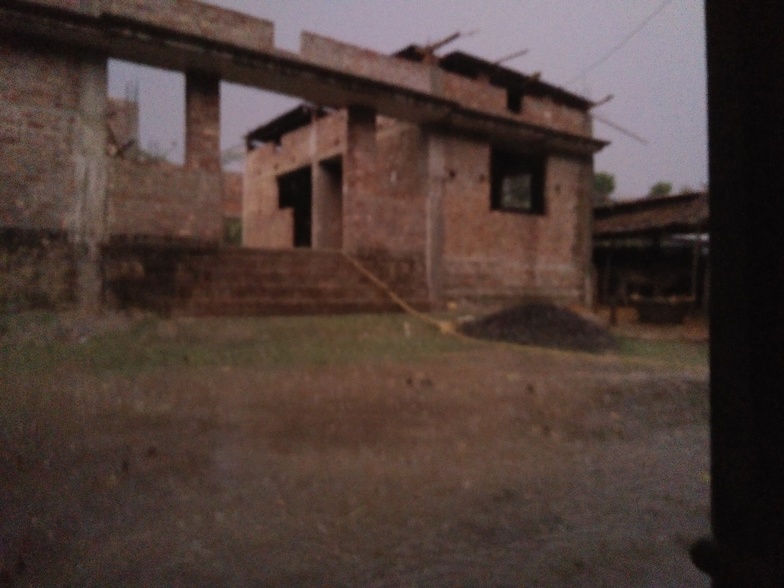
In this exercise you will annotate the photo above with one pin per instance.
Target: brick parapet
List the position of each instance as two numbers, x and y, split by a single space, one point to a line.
182 16
365 62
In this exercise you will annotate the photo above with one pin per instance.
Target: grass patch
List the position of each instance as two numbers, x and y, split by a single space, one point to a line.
43 341
680 353
40 341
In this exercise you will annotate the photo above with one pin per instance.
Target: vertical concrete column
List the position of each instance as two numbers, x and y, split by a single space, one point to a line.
359 179
88 220
434 217
746 122
202 122
583 246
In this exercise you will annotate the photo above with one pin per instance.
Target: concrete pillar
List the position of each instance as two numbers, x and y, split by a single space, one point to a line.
327 201
88 221
359 179
746 122
202 122
434 217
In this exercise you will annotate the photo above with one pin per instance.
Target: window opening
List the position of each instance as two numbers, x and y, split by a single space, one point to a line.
517 182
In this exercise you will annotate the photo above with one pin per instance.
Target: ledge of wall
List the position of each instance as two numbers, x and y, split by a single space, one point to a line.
183 16
364 62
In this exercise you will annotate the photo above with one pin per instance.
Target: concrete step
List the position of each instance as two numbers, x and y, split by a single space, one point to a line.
227 282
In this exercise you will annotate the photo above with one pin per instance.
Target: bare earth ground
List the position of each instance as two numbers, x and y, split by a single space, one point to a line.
360 451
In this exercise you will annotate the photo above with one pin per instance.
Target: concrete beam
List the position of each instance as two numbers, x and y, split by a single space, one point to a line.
167 43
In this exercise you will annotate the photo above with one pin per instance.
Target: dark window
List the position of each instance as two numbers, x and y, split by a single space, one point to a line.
514 100
517 182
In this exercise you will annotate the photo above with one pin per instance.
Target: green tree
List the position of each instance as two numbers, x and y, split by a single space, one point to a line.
660 189
603 186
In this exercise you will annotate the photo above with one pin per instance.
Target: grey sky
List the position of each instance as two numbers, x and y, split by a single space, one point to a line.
658 77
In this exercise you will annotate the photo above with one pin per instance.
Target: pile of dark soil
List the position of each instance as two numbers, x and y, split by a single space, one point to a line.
545 325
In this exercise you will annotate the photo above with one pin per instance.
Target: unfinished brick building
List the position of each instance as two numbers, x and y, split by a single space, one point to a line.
487 217
449 179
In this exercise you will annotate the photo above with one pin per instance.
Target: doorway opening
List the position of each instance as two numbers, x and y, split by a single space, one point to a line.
295 191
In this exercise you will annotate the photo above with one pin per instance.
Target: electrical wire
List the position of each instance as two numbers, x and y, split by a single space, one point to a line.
620 44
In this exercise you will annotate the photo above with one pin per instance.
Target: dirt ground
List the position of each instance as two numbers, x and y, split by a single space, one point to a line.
482 465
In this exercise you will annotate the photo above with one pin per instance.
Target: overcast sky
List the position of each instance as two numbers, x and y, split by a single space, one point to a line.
657 76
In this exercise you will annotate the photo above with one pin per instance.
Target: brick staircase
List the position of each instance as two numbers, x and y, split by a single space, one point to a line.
248 282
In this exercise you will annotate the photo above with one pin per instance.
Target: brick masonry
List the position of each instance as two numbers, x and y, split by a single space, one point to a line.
37 270
45 172
498 254
232 195
264 223
159 199
197 280
428 78
352 59
397 191
196 18
39 104
182 16
390 182
202 122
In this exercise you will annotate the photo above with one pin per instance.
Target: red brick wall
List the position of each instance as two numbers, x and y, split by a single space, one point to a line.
232 195
37 270
354 60
183 16
38 113
164 200
497 254
264 223
472 93
486 254
396 193
549 113
202 122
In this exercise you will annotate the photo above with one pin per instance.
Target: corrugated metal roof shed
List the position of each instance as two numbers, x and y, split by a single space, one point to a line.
667 214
